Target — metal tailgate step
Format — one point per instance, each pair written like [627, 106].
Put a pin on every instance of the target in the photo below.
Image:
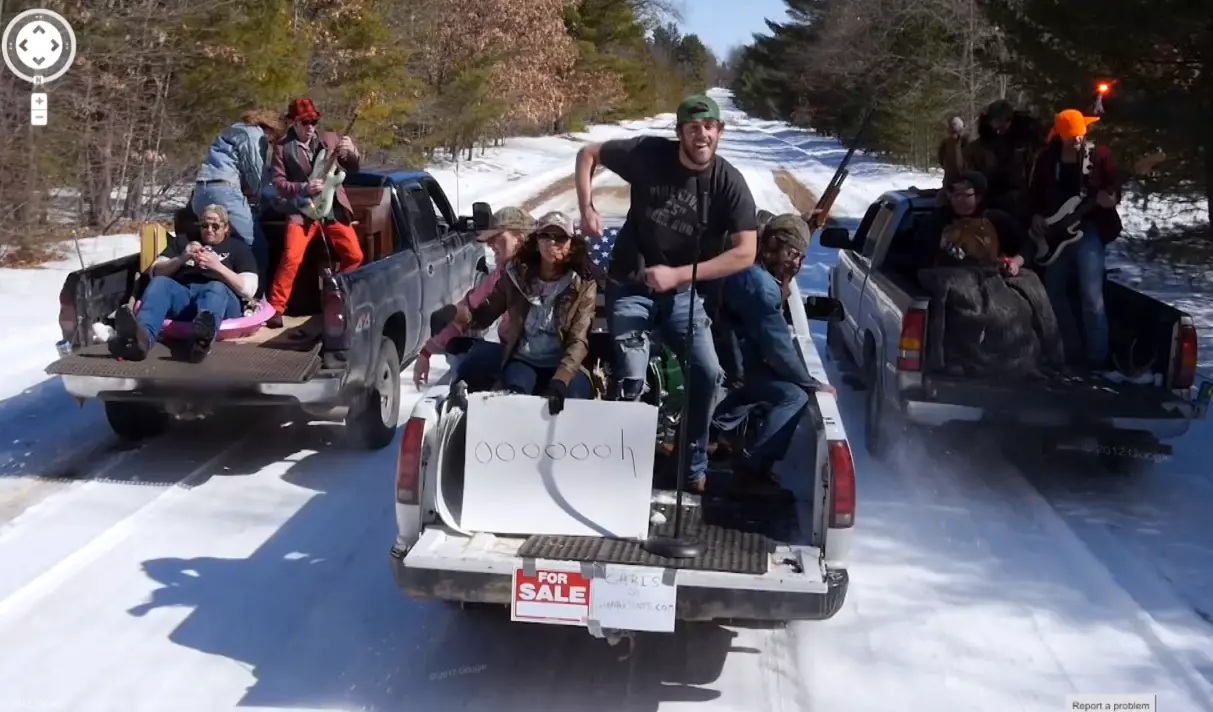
[228, 362]
[724, 549]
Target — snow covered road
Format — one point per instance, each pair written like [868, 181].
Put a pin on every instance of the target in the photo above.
[241, 563]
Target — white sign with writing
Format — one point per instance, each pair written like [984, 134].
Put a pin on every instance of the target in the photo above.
[587, 471]
[633, 598]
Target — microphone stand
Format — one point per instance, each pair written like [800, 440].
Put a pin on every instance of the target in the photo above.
[676, 547]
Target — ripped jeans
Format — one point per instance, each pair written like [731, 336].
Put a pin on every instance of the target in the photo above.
[635, 314]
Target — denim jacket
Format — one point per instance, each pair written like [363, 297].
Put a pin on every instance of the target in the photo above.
[237, 156]
[754, 299]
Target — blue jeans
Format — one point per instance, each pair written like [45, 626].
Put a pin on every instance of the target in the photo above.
[635, 314]
[522, 377]
[241, 219]
[166, 298]
[780, 404]
[480, 365]
[1083, 260]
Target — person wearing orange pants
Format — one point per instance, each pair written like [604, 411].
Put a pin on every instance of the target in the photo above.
[294, 157]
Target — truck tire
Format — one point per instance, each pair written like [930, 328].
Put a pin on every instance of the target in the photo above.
[876, 426]
[135, 422]
[371, 423]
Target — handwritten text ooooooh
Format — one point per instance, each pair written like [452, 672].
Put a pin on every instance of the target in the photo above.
[486, 452]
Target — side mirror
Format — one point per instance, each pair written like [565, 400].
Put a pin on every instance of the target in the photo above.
[482, 214]
[823, 309]
[835, 237]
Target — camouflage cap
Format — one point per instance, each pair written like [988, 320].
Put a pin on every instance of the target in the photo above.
[557, 220]
[790, 229]
[508, 218]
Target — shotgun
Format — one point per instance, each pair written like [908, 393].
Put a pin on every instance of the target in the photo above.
[821, 211]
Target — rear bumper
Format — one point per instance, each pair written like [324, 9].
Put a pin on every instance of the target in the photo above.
[695, 603]
[321, 389]
[934, 414]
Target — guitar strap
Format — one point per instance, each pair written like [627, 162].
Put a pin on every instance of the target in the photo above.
[1088, 149]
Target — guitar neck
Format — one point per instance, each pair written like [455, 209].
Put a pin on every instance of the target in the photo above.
[331, 160]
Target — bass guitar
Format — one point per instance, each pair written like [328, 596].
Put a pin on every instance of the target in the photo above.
[325, 168]
[1064, 227]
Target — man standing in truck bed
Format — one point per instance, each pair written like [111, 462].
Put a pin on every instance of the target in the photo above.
[685, 200]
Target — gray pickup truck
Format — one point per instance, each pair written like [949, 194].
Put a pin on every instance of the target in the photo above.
[883, 334]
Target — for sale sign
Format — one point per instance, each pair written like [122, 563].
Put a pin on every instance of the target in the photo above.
[551, 593]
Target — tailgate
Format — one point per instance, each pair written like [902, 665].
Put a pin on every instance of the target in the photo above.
[229, 363]
[1079, 397]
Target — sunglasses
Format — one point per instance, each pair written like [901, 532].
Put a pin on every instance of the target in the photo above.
[557, 237]
[211, 226]
[310, 122]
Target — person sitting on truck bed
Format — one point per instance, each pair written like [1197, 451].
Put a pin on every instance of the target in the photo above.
[1006, 146]
[550, 293]
[507, 229]
[232, 173]
[777, 383]
[206, 281]
[962, 231]
[689, 206]
[294, 157]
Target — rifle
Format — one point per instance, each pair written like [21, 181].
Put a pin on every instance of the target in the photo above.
[821, 211]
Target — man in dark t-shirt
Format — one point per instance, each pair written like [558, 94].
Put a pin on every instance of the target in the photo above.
[206, 281]
[688, 205]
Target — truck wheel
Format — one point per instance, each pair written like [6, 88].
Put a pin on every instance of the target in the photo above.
[876, 425]
[134, 422]
[371, 423]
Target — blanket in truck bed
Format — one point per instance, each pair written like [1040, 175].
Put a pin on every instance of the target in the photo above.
[983, 324]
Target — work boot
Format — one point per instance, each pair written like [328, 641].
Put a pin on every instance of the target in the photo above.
[205, 329]
[275, 321]
[132, 341]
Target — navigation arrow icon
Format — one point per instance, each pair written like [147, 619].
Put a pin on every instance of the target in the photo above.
[24, 45]
[39, 60]
[54, 45]
[38, 30]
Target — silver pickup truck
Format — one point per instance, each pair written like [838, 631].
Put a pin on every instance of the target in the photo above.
[883, 335]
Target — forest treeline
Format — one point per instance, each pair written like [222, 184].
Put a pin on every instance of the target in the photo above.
[153, 82]
[919, 62]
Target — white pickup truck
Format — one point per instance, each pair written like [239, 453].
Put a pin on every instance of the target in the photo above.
[611, 584]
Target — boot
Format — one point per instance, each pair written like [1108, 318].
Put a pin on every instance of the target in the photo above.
[132, 341]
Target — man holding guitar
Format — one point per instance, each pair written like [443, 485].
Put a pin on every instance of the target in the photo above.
[1084, 177]
[296, 158]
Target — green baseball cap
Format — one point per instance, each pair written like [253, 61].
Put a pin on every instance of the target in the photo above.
[698, 107]
[507, 218]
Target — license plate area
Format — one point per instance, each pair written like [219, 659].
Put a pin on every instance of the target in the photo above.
[593, 595]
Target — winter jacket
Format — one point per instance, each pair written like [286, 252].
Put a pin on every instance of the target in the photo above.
[926, 247]
[952, 158]
[237, 157]
[574, 313]
[1045, 196]
[293, 168]
[1006, 161]
[475, 298]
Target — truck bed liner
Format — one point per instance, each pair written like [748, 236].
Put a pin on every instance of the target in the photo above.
[229, 363]
[725, 549]
[1096, 396]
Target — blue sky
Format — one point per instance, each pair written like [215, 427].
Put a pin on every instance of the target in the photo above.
[724, 23]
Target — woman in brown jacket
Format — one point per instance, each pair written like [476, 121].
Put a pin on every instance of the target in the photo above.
[550, 293]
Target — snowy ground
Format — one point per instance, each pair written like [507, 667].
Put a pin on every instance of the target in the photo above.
[241, 563]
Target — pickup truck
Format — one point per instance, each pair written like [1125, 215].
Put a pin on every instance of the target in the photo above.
[345, 341]
[798, 572]
[883, 334]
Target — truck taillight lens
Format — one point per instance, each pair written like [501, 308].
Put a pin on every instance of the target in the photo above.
[1185, 361]
[842, 493]
[336, 320]
[408, 464]
[909, 346]
[67, 322]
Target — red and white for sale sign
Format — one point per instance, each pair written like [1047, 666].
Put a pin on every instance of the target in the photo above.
[555, 593]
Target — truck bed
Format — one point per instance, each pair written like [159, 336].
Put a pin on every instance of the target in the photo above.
[1068, 395]
[229, 363]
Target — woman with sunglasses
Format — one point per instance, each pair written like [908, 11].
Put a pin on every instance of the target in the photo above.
[549, 292]
[206, 281]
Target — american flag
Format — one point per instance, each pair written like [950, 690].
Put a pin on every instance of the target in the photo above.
[600, 247]
[600, 254]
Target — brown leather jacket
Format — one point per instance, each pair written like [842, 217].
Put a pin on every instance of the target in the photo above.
[574, 313]
[292, 169]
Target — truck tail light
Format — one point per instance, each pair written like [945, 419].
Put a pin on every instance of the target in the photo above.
[909, 346]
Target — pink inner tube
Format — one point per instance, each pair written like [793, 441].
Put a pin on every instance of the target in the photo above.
[230, 328]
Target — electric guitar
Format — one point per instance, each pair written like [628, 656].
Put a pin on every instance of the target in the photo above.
[1064, 227]
[325, 168]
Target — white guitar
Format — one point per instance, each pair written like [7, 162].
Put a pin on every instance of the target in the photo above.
[325, 168]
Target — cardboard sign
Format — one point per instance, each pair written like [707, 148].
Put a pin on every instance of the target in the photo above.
[633, 598]
[556, 594]
[587, 471]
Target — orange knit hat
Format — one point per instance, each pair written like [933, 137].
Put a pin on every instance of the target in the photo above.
[1070, 124]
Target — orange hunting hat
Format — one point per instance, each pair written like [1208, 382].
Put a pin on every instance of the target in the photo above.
[1070, 124]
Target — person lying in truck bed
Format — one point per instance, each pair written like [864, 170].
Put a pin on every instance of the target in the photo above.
[206, 281]
[776, 385]
[549, 291]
